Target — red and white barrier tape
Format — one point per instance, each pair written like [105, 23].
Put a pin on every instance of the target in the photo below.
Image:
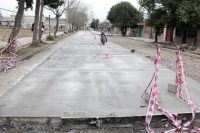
[9, 62]
[106, 54]
[153, 103]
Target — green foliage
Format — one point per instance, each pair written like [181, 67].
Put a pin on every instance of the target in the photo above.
[189, 12]
[182, 14]
[94, 24]
[171, 7]
[124, 15]
[149, 5]
[50, 38]
[29, 4]
[179, 12]
[157, 18]
[53, 3]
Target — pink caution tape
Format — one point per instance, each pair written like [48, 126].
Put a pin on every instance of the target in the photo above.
[181, 83]
[153, 103]
[170, 66]
[106, 54]
[9, 62]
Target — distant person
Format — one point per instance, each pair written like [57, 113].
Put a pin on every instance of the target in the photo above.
[103, 38]
[42, 27]
[42, 30]
[32, 28]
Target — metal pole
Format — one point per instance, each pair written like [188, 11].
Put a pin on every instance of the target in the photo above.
[49, 25]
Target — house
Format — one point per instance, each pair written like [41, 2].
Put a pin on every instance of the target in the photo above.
[143, 30]
[27, 21]
[190, 37]
[104, 26]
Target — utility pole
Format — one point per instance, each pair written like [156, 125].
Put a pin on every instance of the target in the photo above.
[49, 25]
[67, 16]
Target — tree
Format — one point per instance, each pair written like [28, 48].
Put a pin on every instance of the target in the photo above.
[156, 20]
[94, 24]
[171, 17]
[77, 15]
[40, 20]
[22, 4]
[184, 14]
[124, 15]
[189, 12]
[36, 22]
[58, 7]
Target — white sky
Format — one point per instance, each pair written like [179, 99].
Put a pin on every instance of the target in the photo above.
[99, 8]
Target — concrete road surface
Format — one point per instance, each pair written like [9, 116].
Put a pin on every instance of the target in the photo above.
[83, 79]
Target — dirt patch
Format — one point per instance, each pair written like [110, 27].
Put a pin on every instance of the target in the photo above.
[192, 65]
[6, 32]
[108, 125]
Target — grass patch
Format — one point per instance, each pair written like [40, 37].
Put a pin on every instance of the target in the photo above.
[5, 33]
[54, 38]
[28, 49]
[50, 38]
[58, 38]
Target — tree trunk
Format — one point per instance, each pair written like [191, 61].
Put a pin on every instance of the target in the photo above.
[151, 33]
[70, 28]
[123, 31]
[172, 34]
[184, 37]
[17, 25]
[156, 36]
[41, 18]
[36, 21]
[57, 22]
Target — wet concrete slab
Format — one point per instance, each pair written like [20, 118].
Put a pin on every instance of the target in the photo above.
[79, 81]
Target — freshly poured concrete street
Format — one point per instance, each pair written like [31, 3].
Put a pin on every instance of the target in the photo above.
[79, 80]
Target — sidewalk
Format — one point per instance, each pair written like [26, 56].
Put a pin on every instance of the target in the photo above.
[146, 40]
[25, 41]
[107, 34]
[166, 46]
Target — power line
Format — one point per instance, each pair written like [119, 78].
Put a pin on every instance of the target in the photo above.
[7, 10]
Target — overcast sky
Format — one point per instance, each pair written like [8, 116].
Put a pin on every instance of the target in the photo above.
[99, 8]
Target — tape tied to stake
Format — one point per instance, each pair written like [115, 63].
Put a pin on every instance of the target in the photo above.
[153, 103]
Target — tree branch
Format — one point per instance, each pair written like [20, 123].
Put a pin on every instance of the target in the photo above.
[50, 10]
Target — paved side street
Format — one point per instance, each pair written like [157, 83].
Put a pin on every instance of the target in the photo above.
[80, 80]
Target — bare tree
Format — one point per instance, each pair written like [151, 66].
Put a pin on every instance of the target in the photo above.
[58, 8]
[17, 25]
[78, 15]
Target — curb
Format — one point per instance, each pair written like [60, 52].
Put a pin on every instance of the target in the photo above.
[37, 50]
[34, 51]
